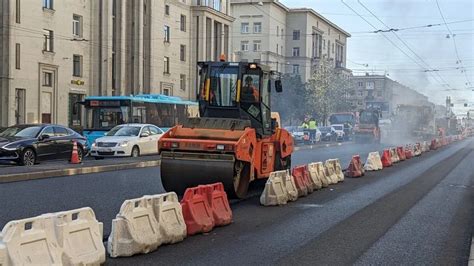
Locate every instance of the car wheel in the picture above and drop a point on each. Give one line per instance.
(80, 153)
(28, 157)
(135, 151)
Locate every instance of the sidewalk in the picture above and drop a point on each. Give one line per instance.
(63, 168)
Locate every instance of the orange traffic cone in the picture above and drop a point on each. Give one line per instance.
(75, 155)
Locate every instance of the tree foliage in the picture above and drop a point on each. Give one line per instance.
(326, 92)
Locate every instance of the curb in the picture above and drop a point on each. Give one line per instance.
(76, 171)
(471, 256)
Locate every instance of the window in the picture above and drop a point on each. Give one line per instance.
(182, 53)
(244, 28)
(166, 91)
(296, 69)
(296, 35)
(77, 66)
(244, 46)
(75, 117)
(77, 25)
(48, 131)
(167, 10)
(182, 82)
(17, 56)
(183, 23)
(360, 84)
(277, 48)
(282, 36)
(60, 132)
(369, 85)
(278, 31)
(166, 65)
(47, 79)
(317, 45)
(217, 5)
(257, 45)
(296, 51)
(257, 27)
(48, 40)
(167, 33)
(332, 47)
(18, 12)
(48, 4)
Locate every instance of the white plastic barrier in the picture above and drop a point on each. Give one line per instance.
(64, 238)
(426, 146)
(275, 190)
(135, 229)
(316, 170)
(374, 162)
(417, 150)
(143, 224)
(80, 235)
(169, 214)
(331, 172)
(338, 169)
(394, 155)
(290, 187)
(30, 241)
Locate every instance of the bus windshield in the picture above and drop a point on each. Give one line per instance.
(107, 117)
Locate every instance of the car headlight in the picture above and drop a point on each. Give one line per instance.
(10, 147)
(124, 144)
(94, 144)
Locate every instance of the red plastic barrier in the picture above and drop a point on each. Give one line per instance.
(434, 145)
(196, 211)
(401, 153)
(355, 168)
(301, 180)
(217, 200)
(386, 158)
(408, 153)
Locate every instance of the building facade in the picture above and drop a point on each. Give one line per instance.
(55, 53)
(383, 93)
(290, 40)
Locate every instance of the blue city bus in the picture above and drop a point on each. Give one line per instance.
(102, 113)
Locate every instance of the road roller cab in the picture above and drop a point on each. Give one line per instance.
(235, 140)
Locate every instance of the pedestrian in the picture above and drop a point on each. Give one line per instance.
(312, 126)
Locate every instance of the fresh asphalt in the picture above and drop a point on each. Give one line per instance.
(417, 212)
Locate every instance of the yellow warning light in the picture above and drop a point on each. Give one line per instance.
(222, 58)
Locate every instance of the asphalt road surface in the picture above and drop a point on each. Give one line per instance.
(417, 212)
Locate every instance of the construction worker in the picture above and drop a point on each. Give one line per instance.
(305, 124)
(312, 126)
(249, 92)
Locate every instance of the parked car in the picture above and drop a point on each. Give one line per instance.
(128, 140)
(28, 144)
(339, 131)
(327, 133)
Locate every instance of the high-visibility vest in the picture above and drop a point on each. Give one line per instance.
(304, 125)
(313, 124)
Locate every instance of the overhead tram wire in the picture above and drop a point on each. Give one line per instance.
(454, 41)
(388, 39)
(405, 44)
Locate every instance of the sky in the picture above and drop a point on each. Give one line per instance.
(407, 54)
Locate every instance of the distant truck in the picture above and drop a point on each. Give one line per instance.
(366, 129)
(414, 121)
(348, 119)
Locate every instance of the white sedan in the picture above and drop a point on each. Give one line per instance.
(128, 140)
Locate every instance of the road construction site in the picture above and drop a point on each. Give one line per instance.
(417, 211)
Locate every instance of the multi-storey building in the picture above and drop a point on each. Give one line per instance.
(289, 40)
(54, 53)
(379, 91)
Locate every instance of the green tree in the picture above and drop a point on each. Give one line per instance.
(291, 102)
(327, 91)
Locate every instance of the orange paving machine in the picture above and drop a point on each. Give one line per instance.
(235, 140)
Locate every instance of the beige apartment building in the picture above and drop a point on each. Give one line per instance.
(55, 53)
(383, 93)
(289, 40)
